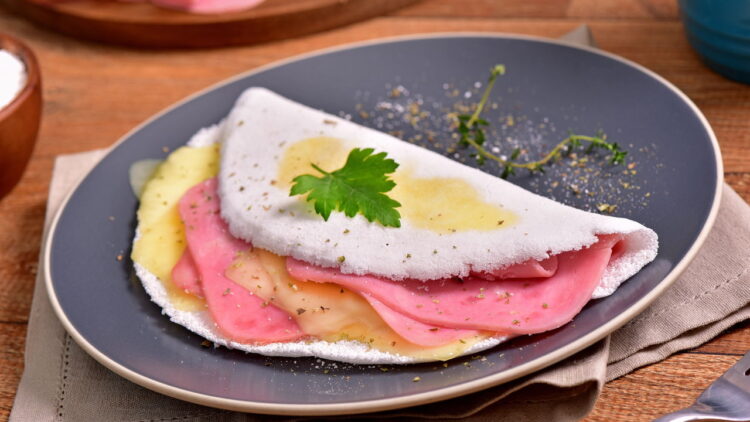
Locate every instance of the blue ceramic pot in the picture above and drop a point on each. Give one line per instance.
(719, 30)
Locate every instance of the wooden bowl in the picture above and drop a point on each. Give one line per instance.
(19, 120)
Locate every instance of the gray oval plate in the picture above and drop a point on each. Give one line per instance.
(552, 85)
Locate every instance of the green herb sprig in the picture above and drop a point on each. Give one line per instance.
(357, 188)
(471, 132)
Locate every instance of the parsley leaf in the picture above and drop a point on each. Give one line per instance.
(358, 187)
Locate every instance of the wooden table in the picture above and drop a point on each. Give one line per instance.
(96, 93)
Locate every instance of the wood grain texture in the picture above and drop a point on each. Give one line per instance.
(96, 93)
(546, 9)
(657, 389)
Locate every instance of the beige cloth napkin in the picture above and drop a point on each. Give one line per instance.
(62, 383)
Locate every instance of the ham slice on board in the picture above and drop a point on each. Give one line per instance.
(208, 6)
(204, 6)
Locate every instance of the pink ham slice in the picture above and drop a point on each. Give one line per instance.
(528, 269)
(239, 315)
(207, 6)
(524, 306)
(414, 331)
(185, 275)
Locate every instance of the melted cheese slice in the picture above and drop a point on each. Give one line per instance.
(161, 239)
(328, 311)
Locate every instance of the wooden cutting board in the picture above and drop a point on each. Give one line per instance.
(145, 25)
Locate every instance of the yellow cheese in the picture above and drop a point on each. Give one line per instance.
(161, 239)
(442, 205)
(327, 311)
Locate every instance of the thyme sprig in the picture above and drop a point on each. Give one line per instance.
(471, 131)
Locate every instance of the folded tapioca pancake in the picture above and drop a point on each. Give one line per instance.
(456, 220)
(227, 253)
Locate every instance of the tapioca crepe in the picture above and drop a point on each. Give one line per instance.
(226, 252)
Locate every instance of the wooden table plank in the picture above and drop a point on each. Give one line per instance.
(12, 338)
(544, 9)
(94, 94)
(740, 182)
(735, 341)
(658, 389)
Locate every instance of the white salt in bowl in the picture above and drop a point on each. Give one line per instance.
(20, 109)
